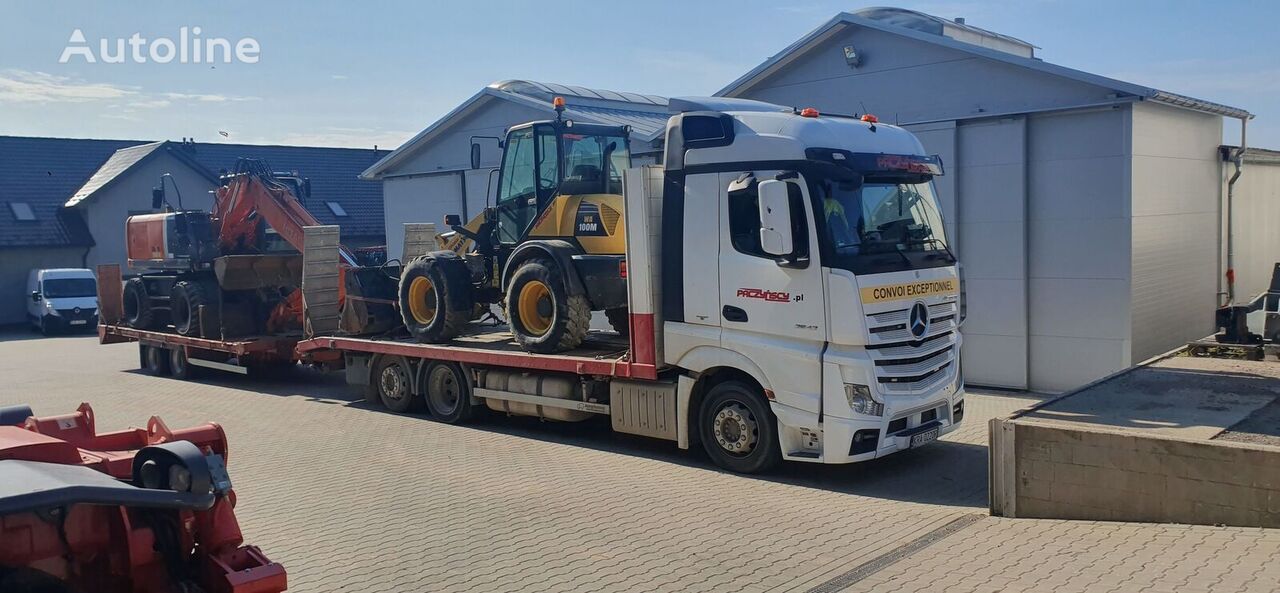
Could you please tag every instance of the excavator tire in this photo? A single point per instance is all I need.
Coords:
(138, 313)
(544, 317)
(186, 299)
(435, 298)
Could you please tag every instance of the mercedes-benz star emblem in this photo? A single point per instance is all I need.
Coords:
(919, 322)
(76, 310)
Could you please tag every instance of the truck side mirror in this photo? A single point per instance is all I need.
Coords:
(775, 218)
(157, 197)
(35, 296)
(475, 155)
(452, 220)
(306, 188)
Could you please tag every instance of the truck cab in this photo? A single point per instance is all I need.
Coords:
(806, 255)
(62, 299)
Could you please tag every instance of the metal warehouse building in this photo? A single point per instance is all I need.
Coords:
(1088, 211)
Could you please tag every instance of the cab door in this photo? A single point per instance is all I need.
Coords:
(773, 311)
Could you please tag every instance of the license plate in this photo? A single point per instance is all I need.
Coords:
(924, 438)
(79, 321)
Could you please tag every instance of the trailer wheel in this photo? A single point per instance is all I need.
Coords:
(435, 298)
(619, 320)
(180, 367)
(138, 313)
(394, 380)
(544, 317)
(737, 429)
(157, 360)
(447, 393)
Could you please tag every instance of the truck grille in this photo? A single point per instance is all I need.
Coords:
(905, 365)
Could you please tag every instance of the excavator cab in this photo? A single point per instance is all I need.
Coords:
(551, 250)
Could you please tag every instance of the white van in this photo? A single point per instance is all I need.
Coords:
(62, 299)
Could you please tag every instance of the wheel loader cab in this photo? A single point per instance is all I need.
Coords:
(561, 180)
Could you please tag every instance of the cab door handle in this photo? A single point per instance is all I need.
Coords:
(732, 313)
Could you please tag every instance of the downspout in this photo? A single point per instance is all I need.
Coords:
(1238, 159)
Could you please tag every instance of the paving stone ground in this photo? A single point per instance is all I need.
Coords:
(353, 498)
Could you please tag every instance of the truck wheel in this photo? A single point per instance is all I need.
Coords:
(737, 429)
(620, 320)
(430, 290)
(179, 366)
(544, 317)
(138, 313)
(157, 360)
(395, 386)
(448, 396)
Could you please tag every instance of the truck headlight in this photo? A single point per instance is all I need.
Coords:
(860, 400)
(48, 306)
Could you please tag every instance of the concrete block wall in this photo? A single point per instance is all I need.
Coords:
(1042, 470)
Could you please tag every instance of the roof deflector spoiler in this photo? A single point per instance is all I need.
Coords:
(721, 104)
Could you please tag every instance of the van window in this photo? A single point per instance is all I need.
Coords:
(62, 288)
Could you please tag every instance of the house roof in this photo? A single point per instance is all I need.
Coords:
(125, 160)
(43, 173)
(646, 114)
(845, 20)
(46, 173)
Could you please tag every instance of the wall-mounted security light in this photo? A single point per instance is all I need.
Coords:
(852, 57)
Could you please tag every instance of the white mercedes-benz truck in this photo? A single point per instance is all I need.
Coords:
(791, 295)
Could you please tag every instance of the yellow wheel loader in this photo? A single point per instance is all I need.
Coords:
(550, 251)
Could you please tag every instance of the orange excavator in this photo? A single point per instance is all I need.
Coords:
(237, 270)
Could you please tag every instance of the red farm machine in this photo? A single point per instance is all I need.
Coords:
(142, 510)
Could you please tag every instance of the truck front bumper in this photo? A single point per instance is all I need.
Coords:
(850, 440)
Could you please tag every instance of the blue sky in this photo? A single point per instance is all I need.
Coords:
(364, 73)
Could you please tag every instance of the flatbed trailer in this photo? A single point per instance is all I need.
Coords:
(168, 353)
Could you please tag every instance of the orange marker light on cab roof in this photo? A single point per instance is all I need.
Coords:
(871, 119)
(808, 112)
(557, 102)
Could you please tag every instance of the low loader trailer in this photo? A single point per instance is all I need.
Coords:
(790, 296)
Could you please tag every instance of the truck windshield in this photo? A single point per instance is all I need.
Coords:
(63, 288)
(879, 223)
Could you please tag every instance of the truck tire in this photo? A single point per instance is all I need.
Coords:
(394, 381)
(447, 393)
(737, 429)
(156, 360)
(435, 298)
(619, 320)
(138, 313)
(544, 317)
(185, 302)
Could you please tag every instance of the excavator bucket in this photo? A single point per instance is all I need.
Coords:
(251, 272)
(372, 296)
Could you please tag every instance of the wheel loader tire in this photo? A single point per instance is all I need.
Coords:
(185, 302)
(544, 317)
(138, 312)
(435, 298)
(619, 320)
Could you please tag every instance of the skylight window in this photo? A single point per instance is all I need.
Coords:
(336, 209)
(22, 211)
